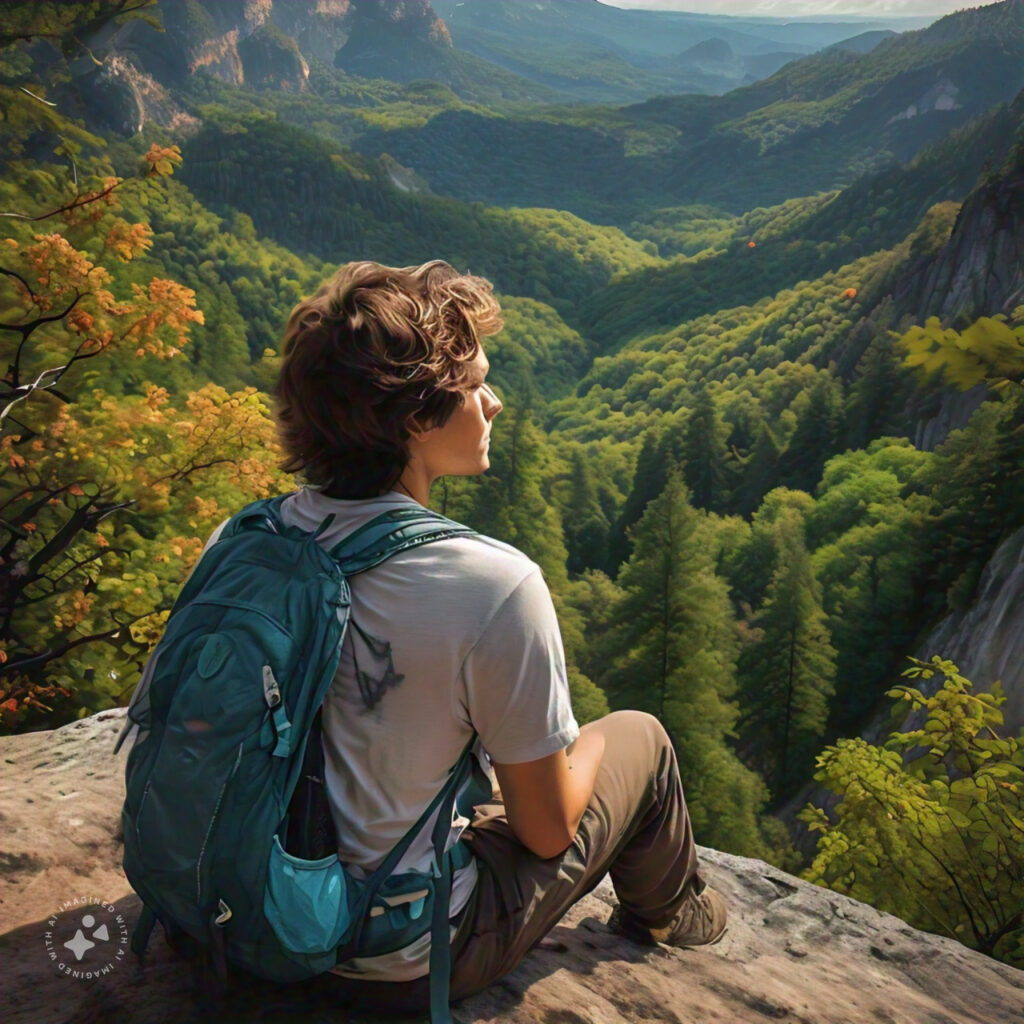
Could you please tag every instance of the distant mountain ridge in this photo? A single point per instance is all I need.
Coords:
(816, 124)
(498, 51)
(601, 53)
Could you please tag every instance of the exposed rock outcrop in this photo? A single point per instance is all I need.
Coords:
(271, 60)
(319, 27)
(979, 272)
(793, 951)
(986, 641)
(242, 42)
(401, 41)
(126, 99)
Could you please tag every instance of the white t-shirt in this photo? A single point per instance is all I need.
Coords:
(445, 638)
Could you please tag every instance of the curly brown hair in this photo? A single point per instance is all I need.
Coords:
(376, 352)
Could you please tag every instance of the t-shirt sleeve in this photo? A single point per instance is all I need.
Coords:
(516, 690)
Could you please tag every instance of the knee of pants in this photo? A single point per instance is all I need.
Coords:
(640, 722)
(639, 730)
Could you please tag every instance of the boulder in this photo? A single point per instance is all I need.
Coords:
(793, 952)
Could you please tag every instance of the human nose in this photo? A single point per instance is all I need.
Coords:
(492, 402)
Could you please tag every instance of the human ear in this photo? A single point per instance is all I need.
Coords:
(417, 430)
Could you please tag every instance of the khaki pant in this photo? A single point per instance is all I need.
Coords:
(636, 828)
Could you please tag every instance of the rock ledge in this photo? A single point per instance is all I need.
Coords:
(794, 952)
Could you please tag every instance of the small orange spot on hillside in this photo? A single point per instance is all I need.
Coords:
(850, 293)
(751, 245)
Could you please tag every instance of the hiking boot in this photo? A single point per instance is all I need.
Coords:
(700, 921)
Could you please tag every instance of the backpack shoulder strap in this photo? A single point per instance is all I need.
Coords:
(390, 532)
(267, 511)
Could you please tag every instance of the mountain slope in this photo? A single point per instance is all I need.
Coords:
(801, 240)
(409, 41)
(816, 124)
(301, 191)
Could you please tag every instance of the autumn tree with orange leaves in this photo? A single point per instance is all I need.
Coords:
(105, 497)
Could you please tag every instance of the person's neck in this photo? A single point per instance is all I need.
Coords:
(415, 485)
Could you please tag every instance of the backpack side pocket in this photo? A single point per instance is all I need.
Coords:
(307, 902)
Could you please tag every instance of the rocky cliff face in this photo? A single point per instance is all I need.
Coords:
(793, 951)
(401, 41)
(124, 98)
(979, 272)
(255, 43)
(319, 27)
(987, 640)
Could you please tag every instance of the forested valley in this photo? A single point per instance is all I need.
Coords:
(762, 370)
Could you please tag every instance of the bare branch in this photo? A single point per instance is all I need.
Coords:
(26, 329)
(83, 200)
(35, 97)
(17, 665)
(23, 282)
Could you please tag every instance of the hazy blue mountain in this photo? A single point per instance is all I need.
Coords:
(865, 42)
(601, 53)
(816, 124)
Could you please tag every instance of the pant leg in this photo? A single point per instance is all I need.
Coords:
(636, 827)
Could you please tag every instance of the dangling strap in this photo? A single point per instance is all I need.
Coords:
(142, 931)
(440, 935)
(441, 870)
(218, 918)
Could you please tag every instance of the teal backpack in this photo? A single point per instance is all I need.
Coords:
(218, 840)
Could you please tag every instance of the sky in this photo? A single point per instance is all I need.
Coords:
(806, 8)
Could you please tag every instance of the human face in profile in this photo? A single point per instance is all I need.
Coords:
(460, 447)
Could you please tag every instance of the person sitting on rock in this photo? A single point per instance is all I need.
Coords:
(382, 391)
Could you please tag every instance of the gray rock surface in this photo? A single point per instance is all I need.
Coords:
(793, 952)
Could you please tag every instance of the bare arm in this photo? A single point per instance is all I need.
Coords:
(545, 799)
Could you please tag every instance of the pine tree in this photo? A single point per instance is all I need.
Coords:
(814, 439)
(879, 395)
(760, 472)
(705, 455)
(508, 503)
(649, 479)
(585, 524)
(787, 674)
(672, 653)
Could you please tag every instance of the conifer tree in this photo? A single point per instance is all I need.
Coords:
(705, 454)
(787, 673)
(814, 439)
(649, 480)
(760, 472)
(585, 524)
(672, 653)
(508, 503)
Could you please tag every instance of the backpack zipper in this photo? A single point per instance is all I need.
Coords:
(213, 821)
(243, 606)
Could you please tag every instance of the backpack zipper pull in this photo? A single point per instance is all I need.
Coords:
(271, 691)
(272, 695)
